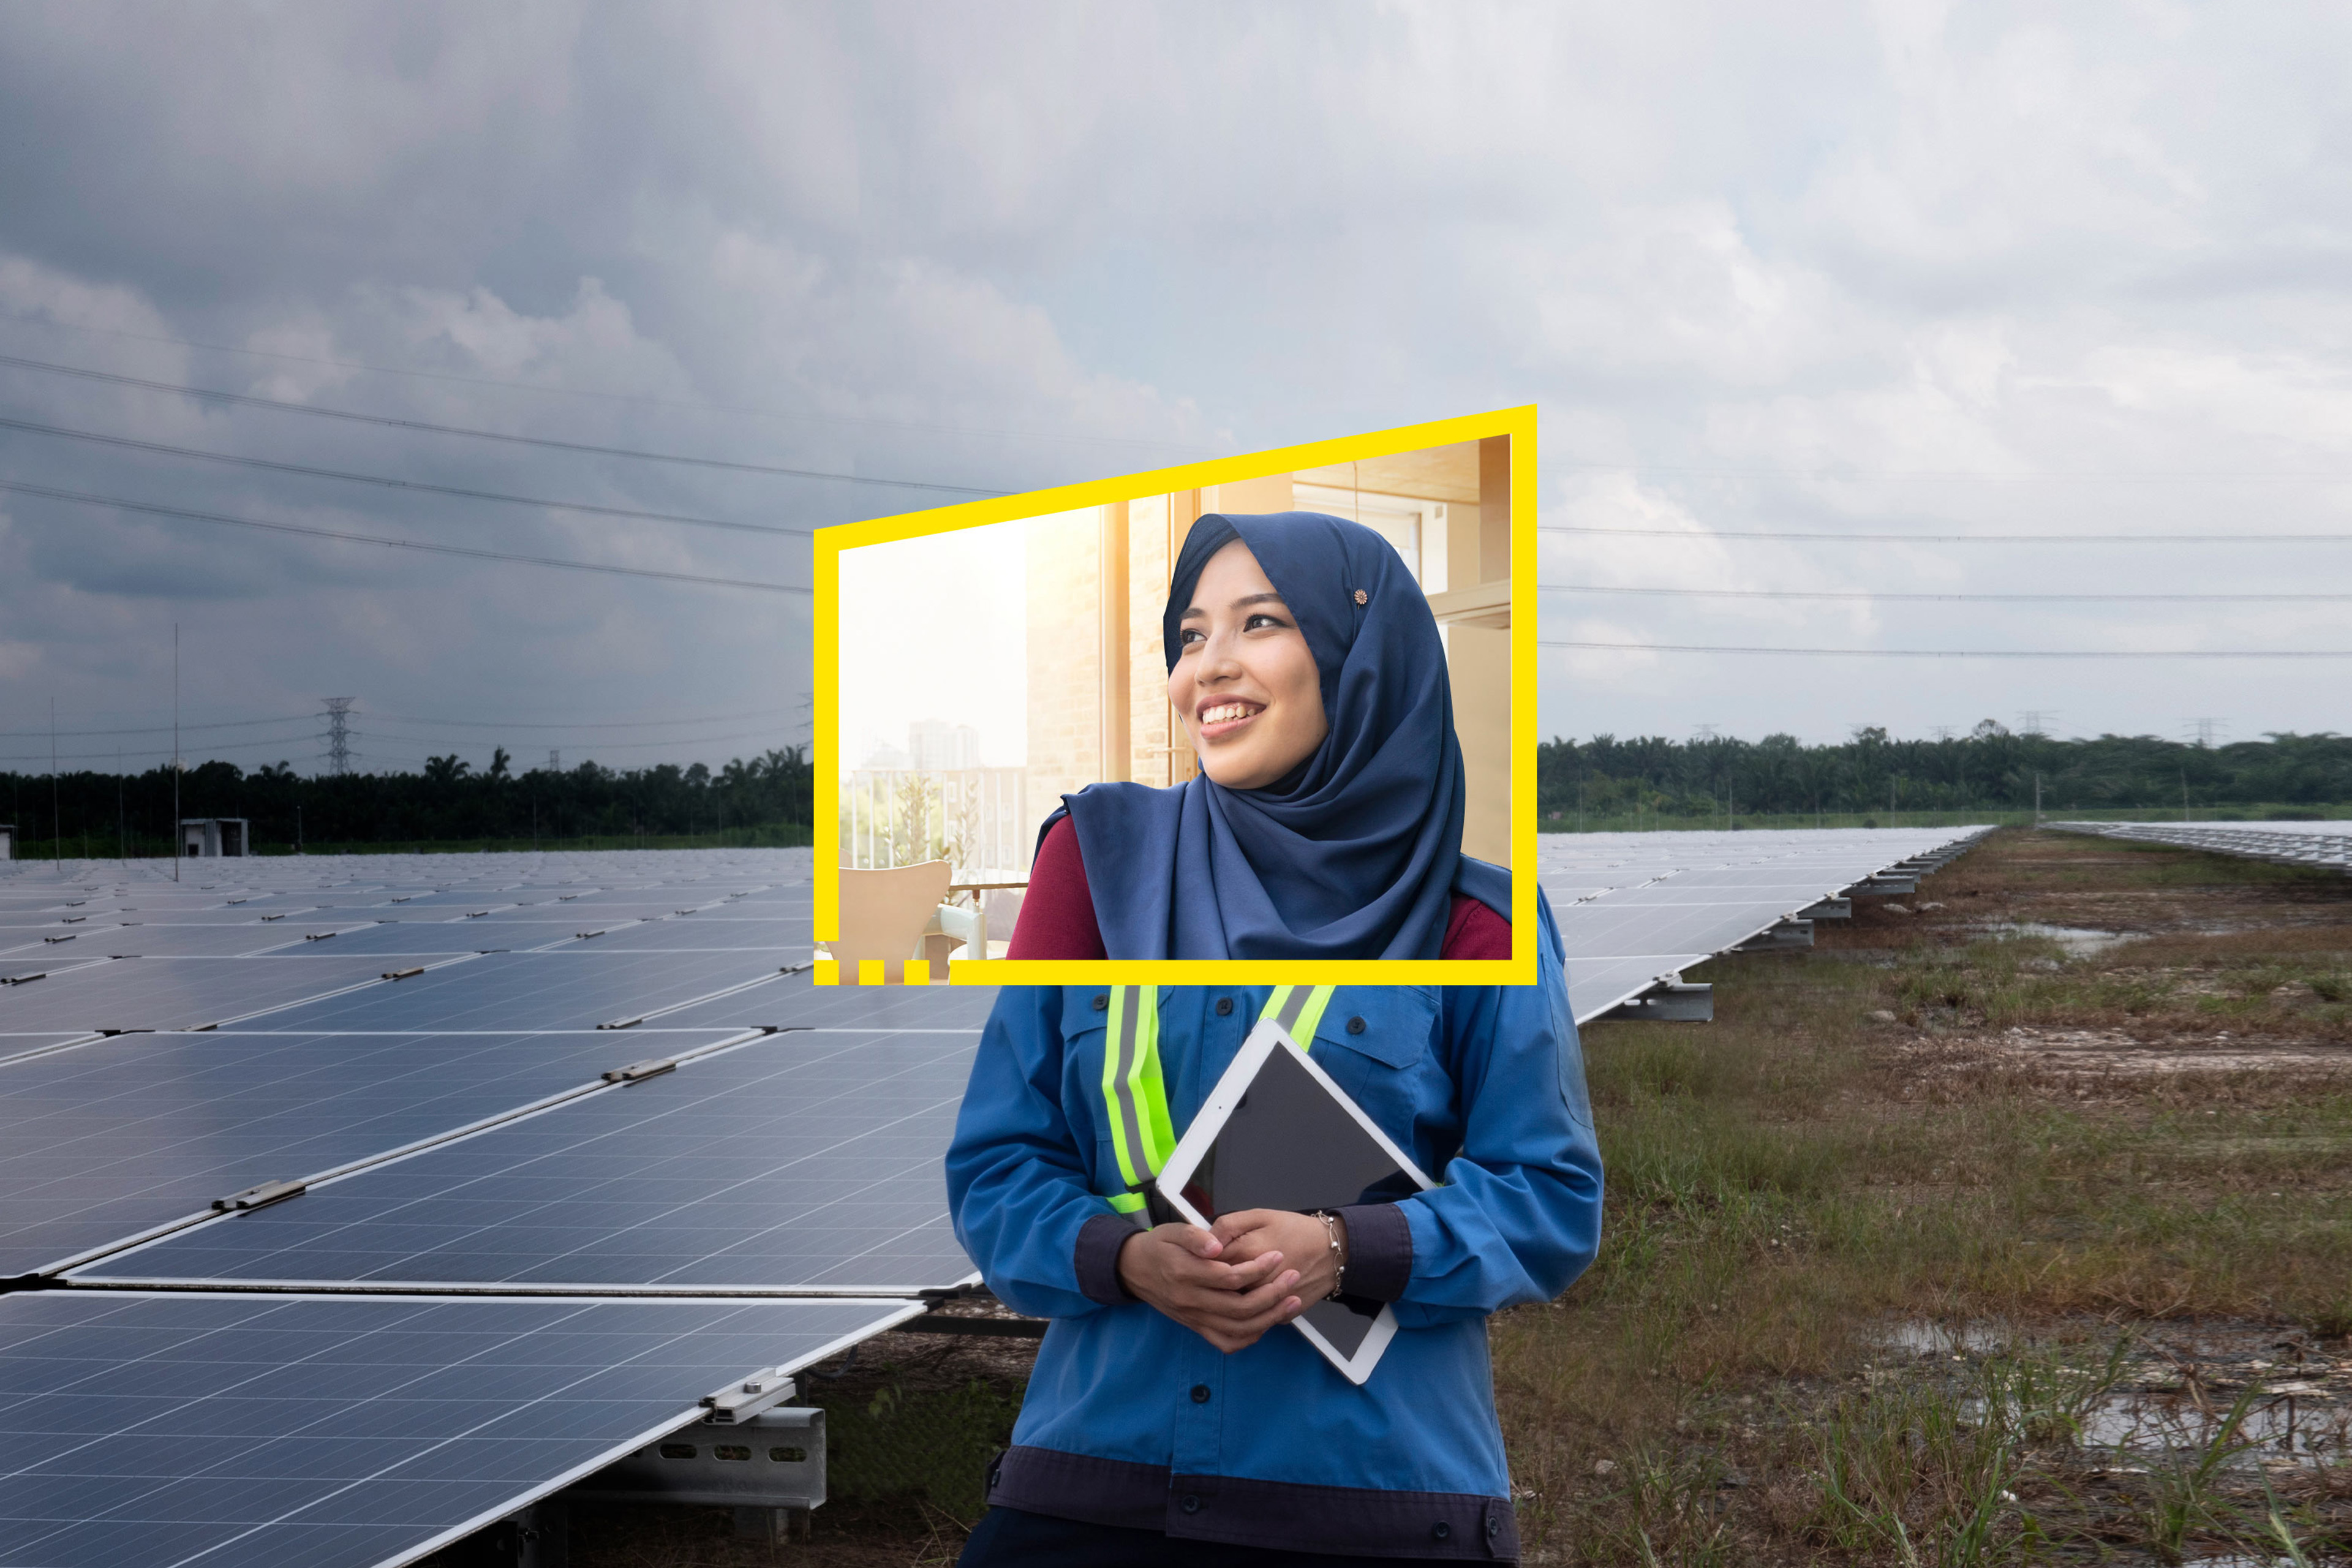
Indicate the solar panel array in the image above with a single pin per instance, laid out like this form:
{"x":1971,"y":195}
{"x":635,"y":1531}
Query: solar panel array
{"x":1636,"y":909}
{"x":390,"y":1076}
{"x":2325,"y":844}
{"x":390,"y":1193}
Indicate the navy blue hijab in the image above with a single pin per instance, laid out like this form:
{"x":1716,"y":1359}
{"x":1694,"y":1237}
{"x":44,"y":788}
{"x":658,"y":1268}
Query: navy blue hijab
{"x":1357,"y":852}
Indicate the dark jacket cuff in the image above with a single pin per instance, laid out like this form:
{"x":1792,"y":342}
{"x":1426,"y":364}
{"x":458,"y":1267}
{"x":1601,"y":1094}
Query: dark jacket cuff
{"x":1379,"y":1251}
{"x":1100,"y":1240}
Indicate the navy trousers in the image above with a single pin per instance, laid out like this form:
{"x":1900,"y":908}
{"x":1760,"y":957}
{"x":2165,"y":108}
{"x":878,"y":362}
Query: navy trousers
{"x":1008,"y":1538}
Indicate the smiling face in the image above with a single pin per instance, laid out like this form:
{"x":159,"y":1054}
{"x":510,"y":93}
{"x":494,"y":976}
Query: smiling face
{"x":1245,"y":683}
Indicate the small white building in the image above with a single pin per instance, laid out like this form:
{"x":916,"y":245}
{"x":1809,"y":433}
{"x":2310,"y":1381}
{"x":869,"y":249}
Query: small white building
{"x":210,"y":837}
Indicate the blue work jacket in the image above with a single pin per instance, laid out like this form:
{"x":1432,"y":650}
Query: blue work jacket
{"x":1133,"y":1419}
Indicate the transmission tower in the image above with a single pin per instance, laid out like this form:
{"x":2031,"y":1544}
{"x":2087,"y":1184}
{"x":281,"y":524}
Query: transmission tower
{"x":2207,"y":728}
{"x":339,"y":735}
{"x":555,"y":760}
{"x":2035,"y":720}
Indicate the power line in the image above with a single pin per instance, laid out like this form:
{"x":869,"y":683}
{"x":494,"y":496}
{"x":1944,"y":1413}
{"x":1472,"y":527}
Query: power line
{"x":1690,"y":536}
{"x":624,"y":396}
{"x":166,"y":728}
{"x":398,"y":543}
{"x":625,"y":724}
{"x":138,"y":446}
{"x":1954,"y":653}
{"x":2093,"y":476}
{"x":427,"y":742}
{"x":322,"y":412}
{"x":1955,"y":598}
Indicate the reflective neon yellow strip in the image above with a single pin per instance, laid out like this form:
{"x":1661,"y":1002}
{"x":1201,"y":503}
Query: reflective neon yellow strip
{"x":1298,"y":1009}
{"x":1118,"y":1103}
{"x":1148,"y":1090}
{"x":1311,"y":1016}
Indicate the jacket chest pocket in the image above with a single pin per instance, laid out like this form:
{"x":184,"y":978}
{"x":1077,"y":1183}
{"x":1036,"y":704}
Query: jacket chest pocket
{"x":1374,"y":1041}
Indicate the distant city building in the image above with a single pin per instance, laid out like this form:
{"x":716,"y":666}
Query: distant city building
{"x":884,"y":757}
{"x":938,"y":746}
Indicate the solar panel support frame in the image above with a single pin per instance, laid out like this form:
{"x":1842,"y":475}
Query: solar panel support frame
{"x":702,"y":1478}
{"x":1670,"y":1001}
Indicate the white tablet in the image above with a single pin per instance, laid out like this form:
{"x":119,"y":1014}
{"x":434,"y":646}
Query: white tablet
{"x":1278,"y":1134}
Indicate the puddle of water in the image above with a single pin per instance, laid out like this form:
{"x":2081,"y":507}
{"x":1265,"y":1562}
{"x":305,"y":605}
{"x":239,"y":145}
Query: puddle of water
{"x":2077,"y":940}
{"x":2302,"y":1417}
{"x":2300,"y":1429}
{"x":1922,"y":1338}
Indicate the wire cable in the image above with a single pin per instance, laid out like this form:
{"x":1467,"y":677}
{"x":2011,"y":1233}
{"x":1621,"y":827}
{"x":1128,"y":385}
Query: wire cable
{"x":621,"y":396}
{"x":1695,"y":538}
{"x":1955,"y":598}
{"x":375,"y":718}
{"x":1954,"y":653}
{"x":322,"y":412}
{"x":138,"y":446}
{"x":399,"y":543}
{"x":166,"y":728}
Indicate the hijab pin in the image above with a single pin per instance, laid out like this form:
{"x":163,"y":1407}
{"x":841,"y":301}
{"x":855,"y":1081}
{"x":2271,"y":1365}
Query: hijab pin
{"x":1362,"y":597}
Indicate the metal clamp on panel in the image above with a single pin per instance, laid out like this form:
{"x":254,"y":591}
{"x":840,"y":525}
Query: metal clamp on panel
{"x":584,"y":935}
{"x":23,"y":979}
{"x":67,"y":937}
{"x":621,"y":1023}
{"x":316,"y":935}
{"x":637,"y":1072}
{"x":404,"y":973}
{"x":261,"y":1196}
{"x":740,"y":1402}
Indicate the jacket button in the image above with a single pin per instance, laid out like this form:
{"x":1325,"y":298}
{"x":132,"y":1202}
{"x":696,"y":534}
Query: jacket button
{"x":1225,"y":1005}
{"x":1494,"y":1526}
{"x":1102,"y":1001}
{"x":1199,"y":1393}
{"x":1441,"y":1530}
{"x":1190,"y":1503}
{"x":1355,"y":1025}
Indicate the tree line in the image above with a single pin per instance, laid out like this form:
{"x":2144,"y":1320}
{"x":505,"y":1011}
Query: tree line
{"x":1991,"y":768}
{"x":767,"y":798}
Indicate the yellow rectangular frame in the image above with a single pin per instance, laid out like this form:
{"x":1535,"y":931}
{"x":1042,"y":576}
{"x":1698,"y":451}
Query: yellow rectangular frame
{"x":1519,"y":424}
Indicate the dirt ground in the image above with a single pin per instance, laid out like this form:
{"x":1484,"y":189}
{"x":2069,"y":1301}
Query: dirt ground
{"x":2012,"y":1223}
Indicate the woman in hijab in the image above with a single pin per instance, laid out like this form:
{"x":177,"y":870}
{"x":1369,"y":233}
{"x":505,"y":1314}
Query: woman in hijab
{"x":1326,"y":821}
{"x":1172,"y":1417}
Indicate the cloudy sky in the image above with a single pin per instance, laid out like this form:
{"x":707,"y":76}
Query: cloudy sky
{"x":1904,"y":269}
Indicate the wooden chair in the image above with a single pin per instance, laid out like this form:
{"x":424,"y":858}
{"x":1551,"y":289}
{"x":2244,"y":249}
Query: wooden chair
{"x":884,"y":914}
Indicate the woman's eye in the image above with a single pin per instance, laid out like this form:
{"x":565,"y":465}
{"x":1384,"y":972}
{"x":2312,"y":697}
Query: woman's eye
{"x":1189,"y":635}
{"x":1254,"y":621}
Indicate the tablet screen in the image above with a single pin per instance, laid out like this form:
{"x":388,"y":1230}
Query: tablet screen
{"x":1288,"y":1145}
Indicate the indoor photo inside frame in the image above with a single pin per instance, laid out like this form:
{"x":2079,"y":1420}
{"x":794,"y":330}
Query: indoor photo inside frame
{"x":1260,"y":719}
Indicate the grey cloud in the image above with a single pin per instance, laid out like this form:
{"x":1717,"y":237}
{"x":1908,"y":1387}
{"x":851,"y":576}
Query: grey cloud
{"x":1810,"y":267}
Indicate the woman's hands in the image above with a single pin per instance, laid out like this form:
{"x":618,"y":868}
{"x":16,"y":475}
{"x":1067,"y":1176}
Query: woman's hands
{"x":1231,"y":1283}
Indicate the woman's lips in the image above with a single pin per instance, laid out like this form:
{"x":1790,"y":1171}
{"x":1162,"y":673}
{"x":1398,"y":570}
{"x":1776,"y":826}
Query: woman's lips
{"x":1236,"y":715}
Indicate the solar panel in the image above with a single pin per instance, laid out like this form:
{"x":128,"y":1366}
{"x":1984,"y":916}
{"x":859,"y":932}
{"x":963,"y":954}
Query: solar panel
{"x":173,"y":993}
{"x":1635,"y":908}
{"x":793,"y":1001}
{"x":346,"y":1432}
{"x":800,"y":1162}
{"x":115,"y":1138}
{"x":13,"y":1046}
{"x":575,"y":986}
{"x":2324,"y":844}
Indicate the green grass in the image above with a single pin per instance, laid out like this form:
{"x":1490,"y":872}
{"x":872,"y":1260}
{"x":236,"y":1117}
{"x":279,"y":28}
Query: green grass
{"x":1785,"y":1182}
